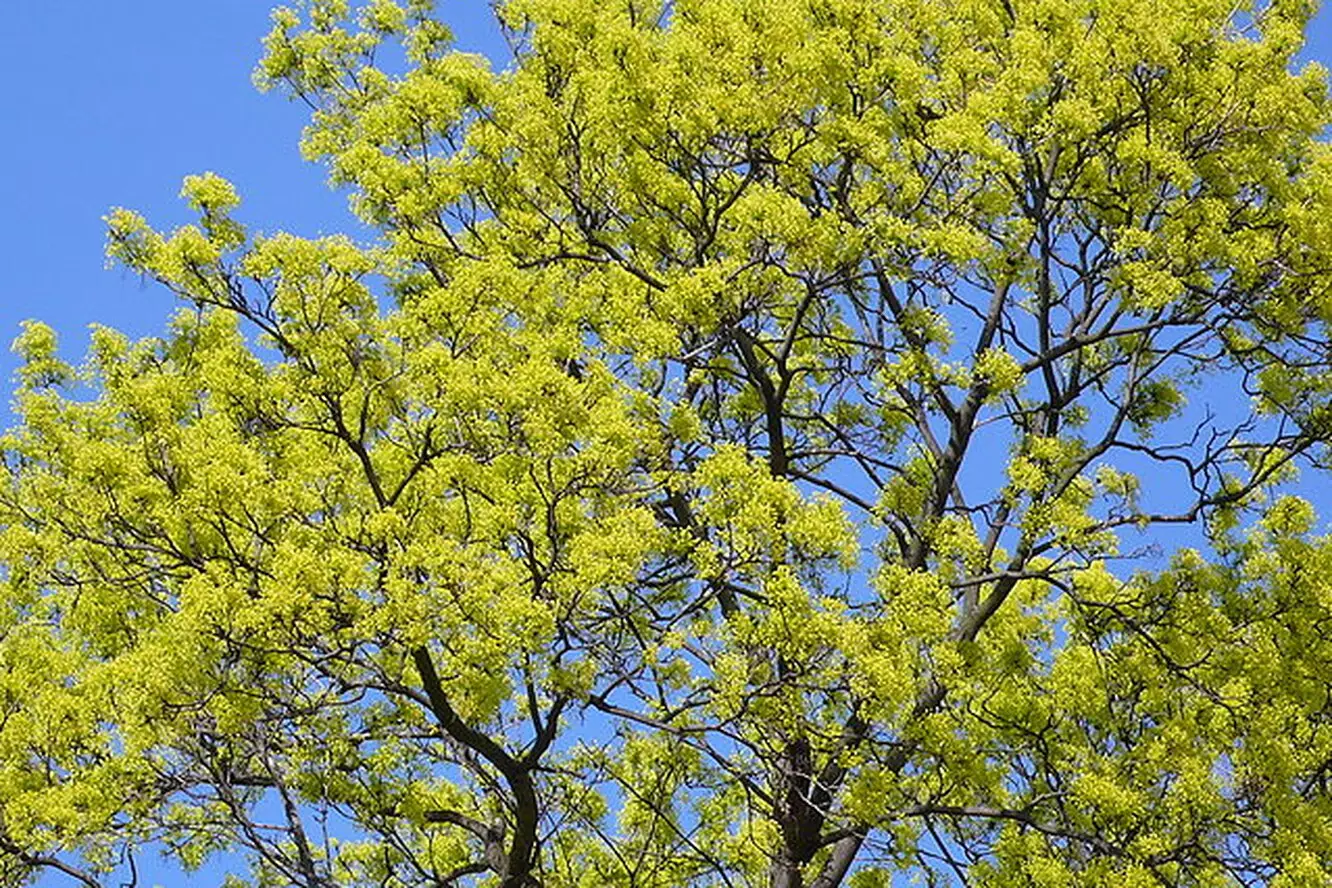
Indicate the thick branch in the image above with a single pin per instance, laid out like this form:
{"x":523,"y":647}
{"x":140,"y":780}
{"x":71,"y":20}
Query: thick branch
{"x":522,"y":850}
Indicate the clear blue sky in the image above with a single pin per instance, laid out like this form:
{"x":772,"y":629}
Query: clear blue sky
{"x":112,"y":103}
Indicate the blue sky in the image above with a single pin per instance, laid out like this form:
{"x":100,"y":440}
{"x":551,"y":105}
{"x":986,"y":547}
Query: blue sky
{"x":112,"y":103}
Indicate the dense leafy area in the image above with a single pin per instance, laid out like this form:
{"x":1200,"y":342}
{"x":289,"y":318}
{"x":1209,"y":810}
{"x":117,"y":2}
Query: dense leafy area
{"x":731,"y":465}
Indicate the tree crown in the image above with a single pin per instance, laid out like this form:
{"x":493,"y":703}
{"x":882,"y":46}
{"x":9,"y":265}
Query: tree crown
{"x":725,"y":468}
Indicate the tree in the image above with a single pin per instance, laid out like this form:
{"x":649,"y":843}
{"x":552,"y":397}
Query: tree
{"x":725,"y":468}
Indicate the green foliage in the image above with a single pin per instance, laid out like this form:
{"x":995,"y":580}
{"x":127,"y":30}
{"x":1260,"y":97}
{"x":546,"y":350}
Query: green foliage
{"x":724,"y":467}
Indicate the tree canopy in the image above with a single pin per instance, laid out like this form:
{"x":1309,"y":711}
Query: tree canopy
{"x":745,"y":455}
